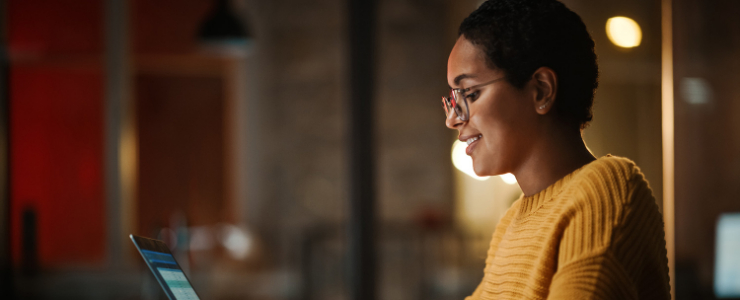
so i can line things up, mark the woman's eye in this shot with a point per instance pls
(472, 96)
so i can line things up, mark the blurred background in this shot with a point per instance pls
(228, 130)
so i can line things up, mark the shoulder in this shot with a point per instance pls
(609, 176)
(609, 169)
(608, 183)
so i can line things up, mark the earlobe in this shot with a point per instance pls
(545, 81)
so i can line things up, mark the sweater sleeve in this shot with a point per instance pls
(476, 293)
(612, 243)
(493, 246)
(594, 276)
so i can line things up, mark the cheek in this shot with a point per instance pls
(498, 139)
(499, 127)
(504, 130)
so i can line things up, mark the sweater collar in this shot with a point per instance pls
(530, 203)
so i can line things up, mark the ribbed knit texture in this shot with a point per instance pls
(594, 234)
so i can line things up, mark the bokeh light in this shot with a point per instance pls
(623, 32)
(509, 178)
(462, 161)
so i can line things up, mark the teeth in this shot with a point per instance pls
(472, 139)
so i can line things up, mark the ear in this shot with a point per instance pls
(546, 86)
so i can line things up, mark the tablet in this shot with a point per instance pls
(727, 260)
(158, 257)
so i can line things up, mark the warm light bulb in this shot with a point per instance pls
(462, 161)
(509, 178)
(623, 32)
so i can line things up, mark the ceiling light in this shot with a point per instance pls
(623, 32)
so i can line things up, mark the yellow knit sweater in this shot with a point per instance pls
(594, 234)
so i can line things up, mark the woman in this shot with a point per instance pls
(523, 75)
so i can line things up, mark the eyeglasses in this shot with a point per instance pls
(458, 103)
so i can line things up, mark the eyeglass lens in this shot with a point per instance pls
(461, 109)
(456, 102)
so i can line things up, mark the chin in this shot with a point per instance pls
(484, 168)
(481, 170)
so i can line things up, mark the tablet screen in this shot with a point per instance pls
(727, 265)
(165, 269)
(169, 272)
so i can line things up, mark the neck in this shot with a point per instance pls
(557, 154)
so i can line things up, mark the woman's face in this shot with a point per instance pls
(502, 117)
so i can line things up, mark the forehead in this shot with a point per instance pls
(466, 59)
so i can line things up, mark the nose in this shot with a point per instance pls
(452, 121)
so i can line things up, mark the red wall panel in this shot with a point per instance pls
(56, 26)
(56, 154)
(56, 128)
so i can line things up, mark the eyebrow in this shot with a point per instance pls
(461, 77)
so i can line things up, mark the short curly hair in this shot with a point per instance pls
(520, 36)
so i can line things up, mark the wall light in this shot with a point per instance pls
(462, 161)
(509, 178)
(623, 32)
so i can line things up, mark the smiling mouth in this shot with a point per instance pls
(471, 143)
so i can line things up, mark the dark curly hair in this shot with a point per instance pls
(520, 36)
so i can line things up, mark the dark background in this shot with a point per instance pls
(117, 117)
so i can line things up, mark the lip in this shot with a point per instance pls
(469, 149)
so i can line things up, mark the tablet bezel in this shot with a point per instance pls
(143, 243)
